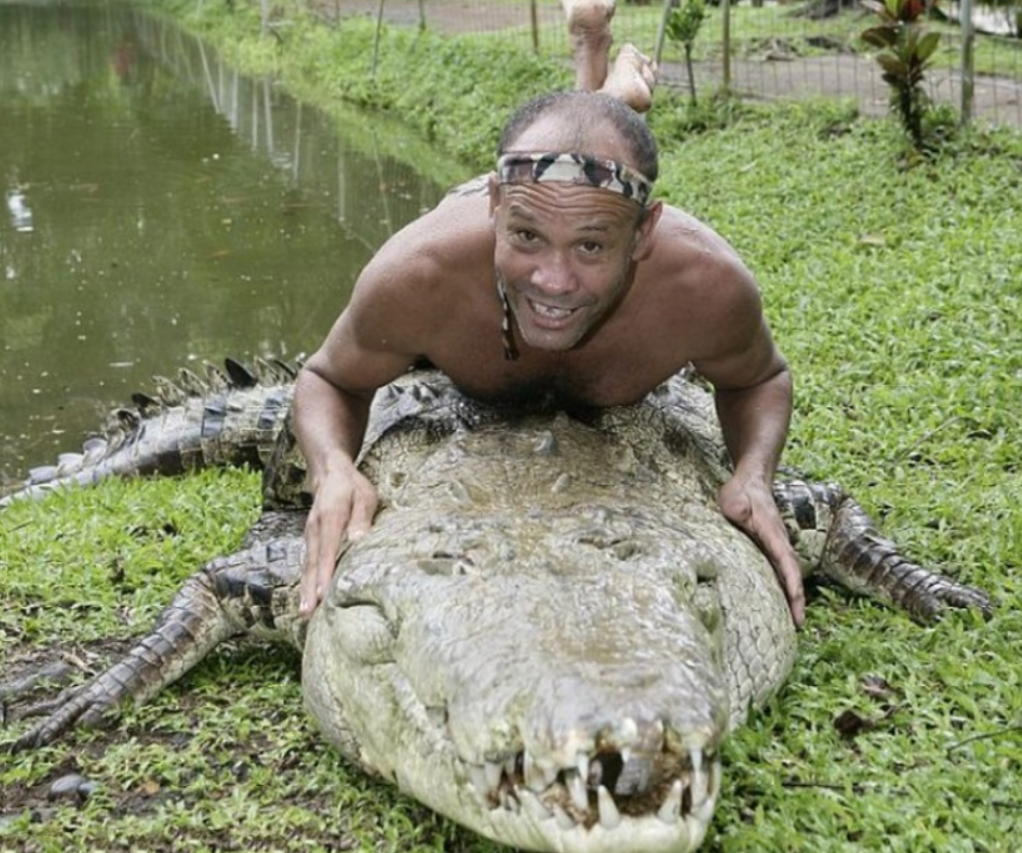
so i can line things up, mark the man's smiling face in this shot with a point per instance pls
(564, 255)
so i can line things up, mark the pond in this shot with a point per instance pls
(160, 211)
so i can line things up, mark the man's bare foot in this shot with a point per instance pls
(589, 28)
(632, 79)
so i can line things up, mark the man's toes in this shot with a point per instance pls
(632, 79)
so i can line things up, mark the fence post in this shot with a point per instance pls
(968, 62)
(376, 38)
(726, 37)
(534, 19)
(662, 32)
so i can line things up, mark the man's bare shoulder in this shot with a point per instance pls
(425, 277)
(695, 291)
(691, 261)
(457, 230)
(681, 233)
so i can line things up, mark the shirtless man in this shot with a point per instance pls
(564, 278)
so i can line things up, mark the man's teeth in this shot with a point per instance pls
(550, 310)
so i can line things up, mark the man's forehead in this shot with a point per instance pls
(590, 209)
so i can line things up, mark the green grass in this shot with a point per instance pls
(894, 293)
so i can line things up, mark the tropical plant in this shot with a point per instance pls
(906, 51)
(682, 27)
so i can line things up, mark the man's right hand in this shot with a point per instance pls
(344, 505)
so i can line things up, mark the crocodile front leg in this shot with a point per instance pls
(833, 534)
(249, 592)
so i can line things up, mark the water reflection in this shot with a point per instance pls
(21, 213)
(160, 208)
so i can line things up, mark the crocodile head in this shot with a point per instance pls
(568, 705)
(530, 642)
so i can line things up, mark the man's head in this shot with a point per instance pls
(583, 122)
(571, 213)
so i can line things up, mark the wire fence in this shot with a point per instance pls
(757, 49)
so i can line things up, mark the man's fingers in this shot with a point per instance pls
(344, 508)
(767, 530)
(779, 551)
(791, 581)
(323, 543)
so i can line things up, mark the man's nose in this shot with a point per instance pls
(555, 273)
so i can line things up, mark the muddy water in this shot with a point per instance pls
(159, 210)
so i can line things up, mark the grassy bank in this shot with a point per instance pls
(895, 294)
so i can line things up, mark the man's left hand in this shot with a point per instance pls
(749, 505)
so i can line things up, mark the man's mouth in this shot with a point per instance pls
(551, 312)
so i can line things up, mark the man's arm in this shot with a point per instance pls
(755, 423)
(373, 342)
(329, 424)
(753, 396)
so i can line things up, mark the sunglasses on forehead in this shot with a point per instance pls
(572, 168)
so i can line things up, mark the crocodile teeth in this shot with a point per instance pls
(628, 732)
(704, 810)
(577, 791)
(493, 773)
(532, 804)
(536, 776)
(563, 819)
(671, 808)
(696, 757)
(700, 780)
(582, 763)
(610, 817)
(477, 776)
(509, 802)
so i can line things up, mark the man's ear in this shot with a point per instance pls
(642, 245)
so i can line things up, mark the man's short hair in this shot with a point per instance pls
(581, 112)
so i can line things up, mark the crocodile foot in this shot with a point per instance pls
(23, 695)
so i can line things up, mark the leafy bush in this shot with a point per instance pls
(906, 52)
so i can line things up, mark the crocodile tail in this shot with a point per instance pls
(833, 534)
(226, 417)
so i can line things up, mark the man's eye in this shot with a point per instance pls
(591, 247)
(523, 235)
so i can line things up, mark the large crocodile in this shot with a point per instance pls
(550, 629)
